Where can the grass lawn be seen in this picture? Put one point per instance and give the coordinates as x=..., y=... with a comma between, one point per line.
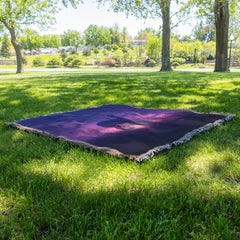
x=53, y=190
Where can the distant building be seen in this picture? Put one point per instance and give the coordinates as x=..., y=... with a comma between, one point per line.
x=48, y=50
x=82, y=48
x=137, y=43
x=67, y=48
x=33, y=52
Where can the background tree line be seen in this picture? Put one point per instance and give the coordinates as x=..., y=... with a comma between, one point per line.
x=17, y=15
x=195, y=48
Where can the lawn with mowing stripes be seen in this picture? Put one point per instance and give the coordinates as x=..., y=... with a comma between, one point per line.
x=52, y=190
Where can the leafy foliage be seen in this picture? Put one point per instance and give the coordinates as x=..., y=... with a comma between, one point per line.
x=96, y=50
x=24, y=60
x=31, y=40
x=71, y=38
x=73, y=61
x=86, y=52
x=154, y=48
x=54, y=62
x=68, y=60
x=97, y=36
x=38, y=62
x=150, y=62
x=20, y=13
x=119, y=60
x=76, y=62
x=175, y=64
x=63, y=54
x=109, y=61
x=50, y=41
x=74, y=51
x=5, y=49
x=205, y=33
x=178, y=60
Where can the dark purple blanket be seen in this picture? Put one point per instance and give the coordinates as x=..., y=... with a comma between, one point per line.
x=123, y=130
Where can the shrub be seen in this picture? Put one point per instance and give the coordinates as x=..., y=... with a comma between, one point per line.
x=63, y=54
x=118, y=52
x=203, y=59
x=195, y=56
x=175, y=64
x=119, y=60
x=150, y=62
x=96, y=50
x=109, y=61
x=180, y=54
x=74, y=51
x=130, y=63
x=115, y=46
x=131, y=46
x=109, y=48
x=105, y=52
x=54, y=62
x=211, y=57
x=178, y=60
x=38, y=62
x=68, y=60
x=97, y=62
x=86, y=52
x=76, y=62
x=138, y=62
x=73, y=61
x=126, y=59
x=125, y=50
x=24, y=60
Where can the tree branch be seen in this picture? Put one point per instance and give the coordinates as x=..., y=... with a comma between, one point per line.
x=5, y=23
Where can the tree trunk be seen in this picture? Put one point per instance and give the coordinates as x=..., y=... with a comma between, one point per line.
x=165, y=8
x=221, y=12
x=17, y=48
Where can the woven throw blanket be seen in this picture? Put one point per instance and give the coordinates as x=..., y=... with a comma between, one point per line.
x=136, y=133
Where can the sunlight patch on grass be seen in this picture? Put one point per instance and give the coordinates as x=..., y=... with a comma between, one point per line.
x=5, y=207
x=58, y=190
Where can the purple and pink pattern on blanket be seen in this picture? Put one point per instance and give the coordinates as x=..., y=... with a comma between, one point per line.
x=125, y=130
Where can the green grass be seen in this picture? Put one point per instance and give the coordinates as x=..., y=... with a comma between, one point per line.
x=53, y=190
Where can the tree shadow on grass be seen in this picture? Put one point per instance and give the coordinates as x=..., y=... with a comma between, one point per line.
x=71, y=91
x=106, y=197
x=42, y=206
x=39, y=95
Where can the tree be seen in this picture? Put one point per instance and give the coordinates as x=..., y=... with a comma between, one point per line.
x=72, y=38
x=144, y=9
x=15, y=15
x=234, y=25
x=31, y=41
x=154, y=48
x=97, y=36
x=51, y=41
x=165, y=9
x=115, y=35
x=124, y=35
x=144, y=35
x=205, y=32
x=5, y=49
x=221, y=10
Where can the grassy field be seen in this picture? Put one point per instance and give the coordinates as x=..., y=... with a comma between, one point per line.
x=53, y=190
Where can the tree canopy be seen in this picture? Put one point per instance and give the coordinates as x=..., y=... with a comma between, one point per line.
x=97, y=36
x=17, y=15
x=145, y=9
x=5, y=49
x=71, y=38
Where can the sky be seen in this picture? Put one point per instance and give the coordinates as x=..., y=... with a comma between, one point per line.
x=88, y=13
